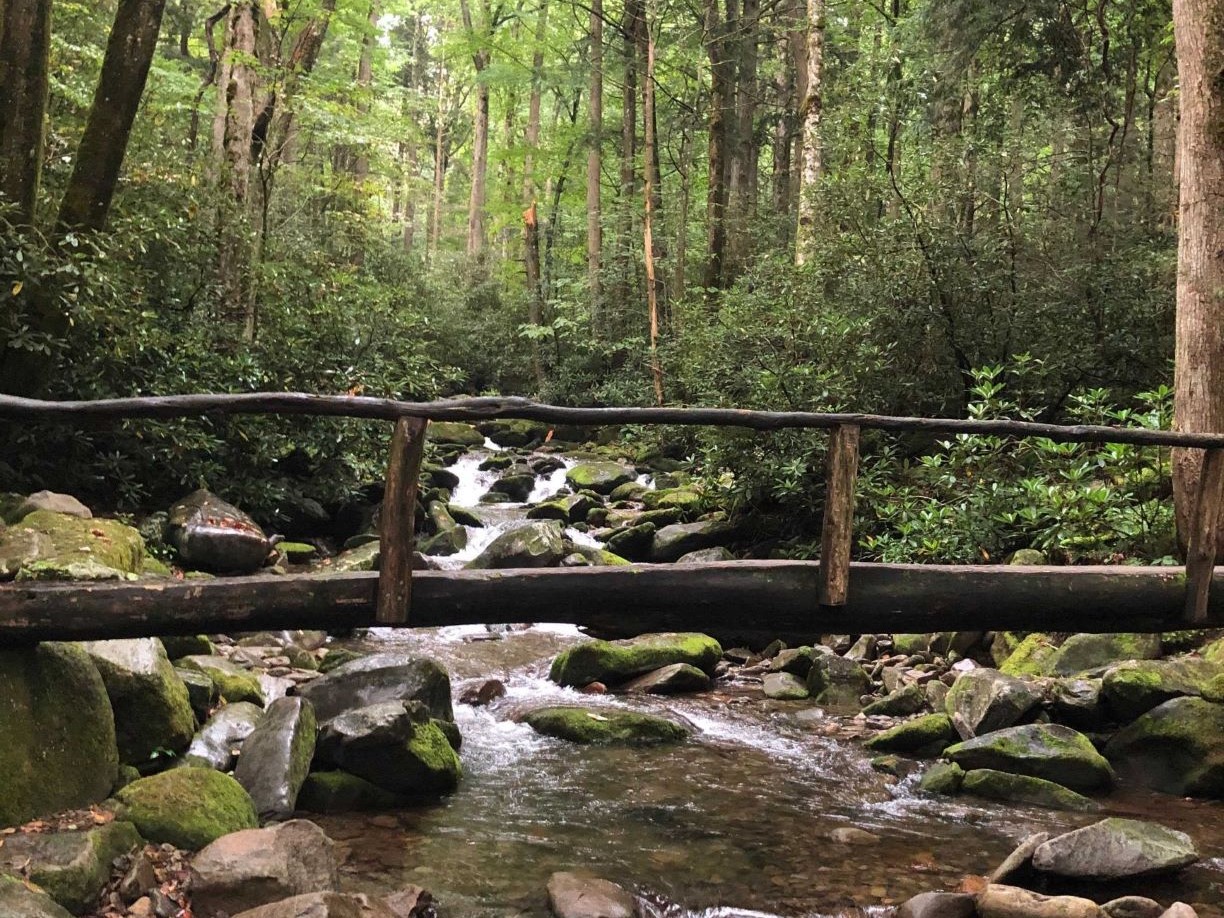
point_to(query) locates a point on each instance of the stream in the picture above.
(735, 822)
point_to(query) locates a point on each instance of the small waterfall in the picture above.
(547, 486)
(472, 481)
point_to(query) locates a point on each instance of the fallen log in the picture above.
(778, 597)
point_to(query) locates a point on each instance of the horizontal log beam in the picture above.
(483, 409)
(710, 597)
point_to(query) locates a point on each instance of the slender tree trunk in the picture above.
(649, 193)
(716, 198)
(531, 225)
(439, 170)
(365, 80)
(812, 165)
(741, 192)
(1199, 398)
(531, 246)
(627, 202)
(125, 68)
(784, 131)
(685, 169)
(477, 236)
(594, 166)
(25, 56)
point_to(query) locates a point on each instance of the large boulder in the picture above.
(234, 682)
(614, 662)
(930, 734)
(391, 676)
(983, 700)
(512, 432)
(604, 727)
(276, 757)
(72, 867)
(1032, 656)
(57, 732)
(1116, 849)
(784, 686)
(394, 746)
(539, 543)
(837, 682)
(187, 807)
(254, 867)
(1050, 751)
(1083, 652)
(600, 477)
(222, 734)
(580, 895)
(679, 539)
(341, 792)
(212, 535)
(1132, 689)
(1002, 785)
(151, 705)
(1177, 747)
(17, 900)
(455, 433)
(56, 546)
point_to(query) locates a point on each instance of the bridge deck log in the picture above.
(709, 597)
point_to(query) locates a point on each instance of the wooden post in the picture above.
(837, 534)
(398, 522)
(1204, 525)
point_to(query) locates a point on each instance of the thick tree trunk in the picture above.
(129, 54)
(365, 79)
(25, 49)
(812, 151)
(741, 191)
(594, 165)
(477, 236)
(1199, 398)
(716, 198)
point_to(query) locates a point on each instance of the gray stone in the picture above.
(322, 905)
(1177, 748)
(56, 503)
(706, 556)
(938, 905)
(600, 477)
(784, 687)
(672, 679)
(1021, 859)
(794, 660)
(836, 681)
(578, 895)
(391, 676)
(1050, 751)
(1133, 907)
(998, 901)
(984, 700)
(71, 867)
(217, 742)
(1083, 652)
(19, 901)
(1115, 849)
(276, 757)
(212, 535)
(909, 699)
(1132, 689)
(1076, 702)
(1000, 785)
(537, 544)
(674, 541)
(202, 692)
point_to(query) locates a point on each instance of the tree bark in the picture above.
(741, 191)
(628, 156)
(1199, 366)
(531, 223)
(365, 80)
(716, 198)
(25, 58)
(125, 69)
(594, 166)
(650, 195)
(476, 232)
(812, 150)
(439, 169)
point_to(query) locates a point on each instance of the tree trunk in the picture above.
(95, 173)
(649, 194)
(594, 166)
(531, 223)
(716, 198)
(784, 130)
(1199, 398)
(535, 306)
(810, 113)
(476, 233)
(25, 49)
(685, 169)
(439, 170)
(628, 157)
(365, 80)
(741, 193)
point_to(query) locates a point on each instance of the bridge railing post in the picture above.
(837, 529)
(398, 524)
(1201, 549)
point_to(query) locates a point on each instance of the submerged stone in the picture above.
(604, 727)
(341, 792)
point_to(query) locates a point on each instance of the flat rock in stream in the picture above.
(600, 477)
(614, 662)
(604, 726)
(579, 895)
(673, 679)
(1116, 849)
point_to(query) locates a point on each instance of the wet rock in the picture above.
(863, 649)
(341, 792)
(1050, 751)
(222, 735)
(849, 835)
(445, 543)
(614, 662)
(910, 644)
(1001, 785)
(71, 867)
(1076, 703)
(550, 510)
(674, 541)
(784, 687)
(321, 905)
(465, 516)
(276, 757)
(364, 557)
(392, 676)
(1020, 861)
(984, 700)
(394, 746)
(578, 895)
(187, 807)
(212, 535)
(926, 735)
(411, 902)
(254, 867)
(335, 657)
(600, 477)
(186, 645)
(1082, 652)
(938, 905)
(150, 703)
(909, 699)
(1133, 907)
(1177, 748)
(511, 433)
(19, 901)
(998, 901)
(795, 660)
(590, 727)
(537, 544)
(483, 694)
(706, 556)
(234, 682)
(942, 778)
(517, 486)
(632, 542)
(1031, 656)
(837, 682)
(1115, 849)
(1132, 689)
(53, 503)
(673, 679)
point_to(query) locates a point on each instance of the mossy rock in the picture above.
(17, 900)
(684, 499)
(151, 704)
(1034, 656)
(1134, 688)
(57, 732)
(513, 433)
(942, 778)
(909, 699)
(56, 546)
(454, 432)
(362, 558)
(837, 682)
(1002, 785)
(202, 692)
(1177, 748)
(72, 867)
(930, 734)
(234, 682)
(187, 807)
(337, 657)
(188, 645)
(550, 510)
(613, 662)
(910, 644)
(1027, 557)
(1050, 751)
(297, 552)
(341, 792)
(605, 727)
(537, 544)
(1003, 645)
(600, 477)
(1082, 652)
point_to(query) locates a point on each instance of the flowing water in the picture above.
(736, 822)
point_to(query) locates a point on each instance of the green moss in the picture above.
(186, 645)
(1034, 656)
(612, 662)
(942, 778)
(1134, 688)
(57, 732)
(339, 791)
(604, 728)
(454, 432)
(440, 768)
(234, 683)
(1048, 751)
(600, 477)
(1177, 748)
(1000, 785)
(337, 657)
(611, 558)
(19, 900)
(72, 867)
(187, 807)
(926, 735)
(50, 545)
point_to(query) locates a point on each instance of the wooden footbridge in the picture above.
(779, 597)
